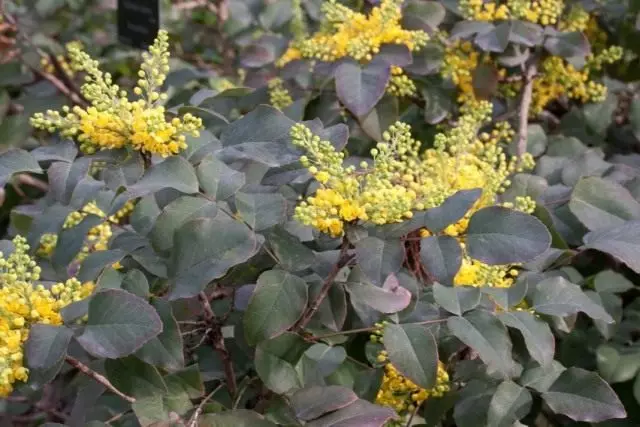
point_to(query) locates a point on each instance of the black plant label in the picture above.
(138, 22)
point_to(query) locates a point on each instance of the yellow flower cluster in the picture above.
(48, 67)
(278, 94)
(400, 84)
(577, 19)
(402, 179)
(22, 304)
(543, 12)
(345, 32)
(476, 273)
(112, 121)
(97, 238)
(478, 10)
(459, 63)
(399, 392)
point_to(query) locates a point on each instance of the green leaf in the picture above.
(71, 241)
(378, 258)
(205, 249)
(484, 333)
(441, 256)
(45, 350)
(568, 45)
(599, 203)
(498, 235)
(359, 413)
(174, 172)
(437, 102)
(424, 16)
(136, 282)
(276, 360)
(473, 404)
(313, 402)
(165, 350)
(360, 88)
(453, 209)
(93, 264)
(583, 396)
(237, 418)
(509, 404)
(390, 298)
(540, 378)
(278, 301)
(456, 300)
(525, 33)
(292, 254)
(622, 242)
(264, 124)
(495, 40)
(175, 215)
(262, 210)
(15, 161)
(134, 377)
(556, 296)
(536, 333)
(634, 117)
(413, 351)
(219, 180)
(615, 365)
(326, 358)
(119, 324)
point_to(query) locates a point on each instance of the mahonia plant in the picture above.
(112, 121)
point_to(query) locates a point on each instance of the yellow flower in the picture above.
(112, 121)
(24, 303)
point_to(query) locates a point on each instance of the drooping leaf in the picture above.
(378, 258)
(509, 404)
(413, 351)
(313, 402)
(483, 332)
(451, 210)
(276, 304)
(583, 396)
(556, 296)
(441, 256)
(119, 324)
(536, 333)
(456, 300)
(497, 235)
(205, 249)
(600, 204)
(622, 242)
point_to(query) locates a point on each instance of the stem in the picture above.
(97, 377)
(193, 421)
(217, 340)
(525, 104)
(308, 314)
(370, 329)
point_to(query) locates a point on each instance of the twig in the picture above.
(217, 340)
(370, 329)
(308, 314)
(524, 108)
(116, 417)
(97, 377)
(193, 421)
(66, 79)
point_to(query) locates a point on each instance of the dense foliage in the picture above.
(321, 213)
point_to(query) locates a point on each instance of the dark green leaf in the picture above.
(134, 377)
(456, 300)
(509, 404)
(359, 414)
(441, 256)
(276, 360)
(556, 296)
(495, 40)
(622, 242)
(262, 210)
(237, 418)
(119, 324)
(165, 350)
(276, 304)
(175, 172)
(360, 88)
(326, 358)
(610, 281)
(217, 179)
(568, 45)
(15, 161)
(413, 351)
(45, 350)
(497, 235)
(600, 204)
(525, 33)
(205, 249)
(452, 210)
(291, 253)
(540, 378)
(473, 404)
(484, 333)
(537, 334)
(583, 396)
(378, 258)
(615, 365)
(313, 402)
(390, 298)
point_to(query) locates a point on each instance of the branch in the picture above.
(97, 377)
(308, 314)
(193, 421)
(525, 103)
(217, 340)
